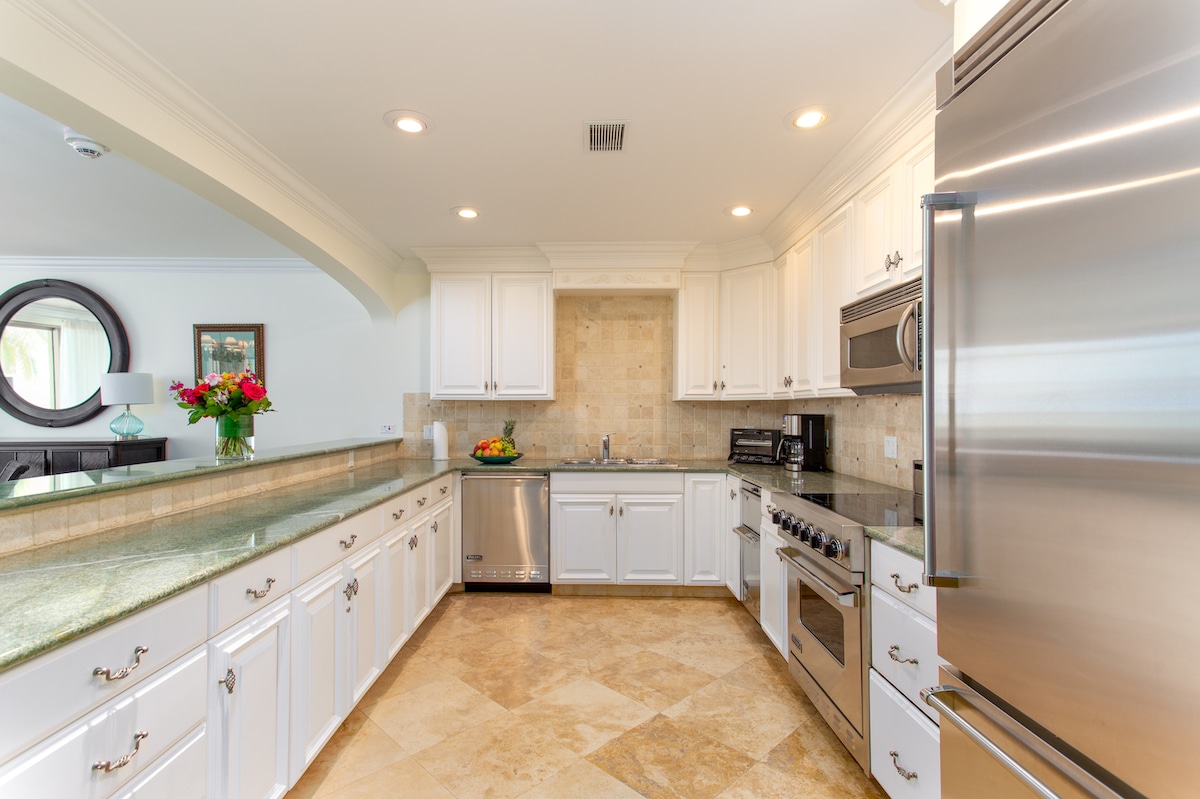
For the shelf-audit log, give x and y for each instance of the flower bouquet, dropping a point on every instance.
(232, 400)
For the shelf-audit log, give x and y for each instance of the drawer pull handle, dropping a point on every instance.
(347, 544)
(908, 775)
(435, 525)
(121, 674)
(229, 680)
(123, 760)
(445, 489)
(396, 514)
(904, 589)
(262, 593)
(893, 649)
(421, 501)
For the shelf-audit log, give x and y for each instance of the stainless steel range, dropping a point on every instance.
(828, 629)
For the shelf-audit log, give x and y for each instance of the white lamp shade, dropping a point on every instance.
(126, 388)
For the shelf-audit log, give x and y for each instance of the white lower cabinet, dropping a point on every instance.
(904, 745)
(318, 666)
(179, 774)
(704, 523)
(732, 542)
(397, 625)
(441, 542)
(96, 755)
(583, 538)
(650, 538)
(773, 586)
(363, 595)
(417, 581)
(248, 706)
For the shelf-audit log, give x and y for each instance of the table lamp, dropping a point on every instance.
(126, 388)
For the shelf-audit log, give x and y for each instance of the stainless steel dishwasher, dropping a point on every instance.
(506, 531)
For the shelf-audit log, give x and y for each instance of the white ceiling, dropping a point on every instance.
(705, 85)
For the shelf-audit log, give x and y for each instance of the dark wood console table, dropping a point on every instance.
(58, 457)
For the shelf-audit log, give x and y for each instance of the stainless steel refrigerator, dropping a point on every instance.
(1062, 391)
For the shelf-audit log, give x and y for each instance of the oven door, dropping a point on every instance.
(751, 545)
(879, 352)
(825, 632)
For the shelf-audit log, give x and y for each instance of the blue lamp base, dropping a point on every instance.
(126, 426)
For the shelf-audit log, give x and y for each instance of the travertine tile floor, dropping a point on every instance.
(556, 697)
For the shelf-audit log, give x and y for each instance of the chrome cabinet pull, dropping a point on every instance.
(350, 590)
(610, 510)
(121, 674)
(347, 544)
(893, 649)
(123, 760)
(891, 262)
(262, 593)
(396, 514)
(714, 385)
(421, 501)
(904, 589)
(435, 525)
(722, 385)
(229, 680)
(732, 494)
(416, 542)
(621, 512)
(908, 775)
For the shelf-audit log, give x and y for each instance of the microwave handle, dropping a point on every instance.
(901, 328)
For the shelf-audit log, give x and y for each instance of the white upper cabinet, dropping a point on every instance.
(834, 249)
(746, 308)
(791, 358)
(888, 223)
(492, 336)
(696, 337)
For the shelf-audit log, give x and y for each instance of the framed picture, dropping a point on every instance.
(230, 348)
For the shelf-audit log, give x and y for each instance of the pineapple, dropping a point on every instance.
(507, 439)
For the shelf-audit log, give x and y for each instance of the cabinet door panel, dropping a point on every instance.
(696, 339)
(441, 539)
(833, 260)
(745, 320)
(897, 726)
(918, 168)
(522, 336)
(875, 210)
(318, 666)
(649, 539)
(365, 646)
(179, 774)
(703, 519)
(460, 311)
(416, 573)
(395, 554)
(583, 546)
(773, 587)
(248, 725)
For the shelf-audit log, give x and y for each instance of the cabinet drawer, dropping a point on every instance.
(900, 575)
(321, 550)
(164, 707)
(617, 482)
(441, 488)
(897, 726)
(255, 585)
(44, 694)
(179, 774)
(420, 499)
(914, 637)
(395, 512)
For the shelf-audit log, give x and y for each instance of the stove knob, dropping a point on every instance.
(777, 517)
(835, 549)
(817, 539)
(804, 532)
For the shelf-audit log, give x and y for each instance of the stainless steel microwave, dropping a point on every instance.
(880, 342)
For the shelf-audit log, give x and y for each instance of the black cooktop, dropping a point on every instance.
(896, 508)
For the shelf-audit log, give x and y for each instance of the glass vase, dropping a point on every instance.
(235, 438)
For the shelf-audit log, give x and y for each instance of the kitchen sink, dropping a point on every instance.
(615, 462)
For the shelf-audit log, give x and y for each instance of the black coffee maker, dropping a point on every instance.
(802, 447)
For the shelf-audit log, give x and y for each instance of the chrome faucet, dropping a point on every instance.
(604, 449)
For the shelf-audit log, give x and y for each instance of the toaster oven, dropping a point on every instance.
(753, 445)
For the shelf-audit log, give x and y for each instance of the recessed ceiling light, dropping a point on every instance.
(465, 212)
(407, 121)
(739, 210)
(806, 118)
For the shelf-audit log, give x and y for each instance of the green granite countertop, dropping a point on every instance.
(54, 594)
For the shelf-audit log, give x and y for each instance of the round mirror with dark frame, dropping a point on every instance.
(56, 339)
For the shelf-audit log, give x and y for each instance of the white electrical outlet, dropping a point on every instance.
(387, 429)
(428, 431)
(889, 447)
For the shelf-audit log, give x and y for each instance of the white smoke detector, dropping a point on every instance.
(88, 148)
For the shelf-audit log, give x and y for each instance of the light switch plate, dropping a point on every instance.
(428, 431)
(889, 447)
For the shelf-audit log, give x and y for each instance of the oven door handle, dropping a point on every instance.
(747, 534)
(847, 599)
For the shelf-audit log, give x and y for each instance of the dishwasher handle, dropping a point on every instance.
(504, 476)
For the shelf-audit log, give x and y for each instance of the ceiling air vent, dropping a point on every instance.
(604, 137)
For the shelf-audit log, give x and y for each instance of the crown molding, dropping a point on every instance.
(483, 259)
(272, 266)
(616, 255)
(705, 258)
(744, 252)
(900, 125)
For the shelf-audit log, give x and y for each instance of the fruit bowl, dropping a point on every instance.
(497, 458)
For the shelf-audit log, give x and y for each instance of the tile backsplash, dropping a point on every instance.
(613, 362)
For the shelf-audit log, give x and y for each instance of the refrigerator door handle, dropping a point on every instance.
(941, 201)
(1080, 778)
